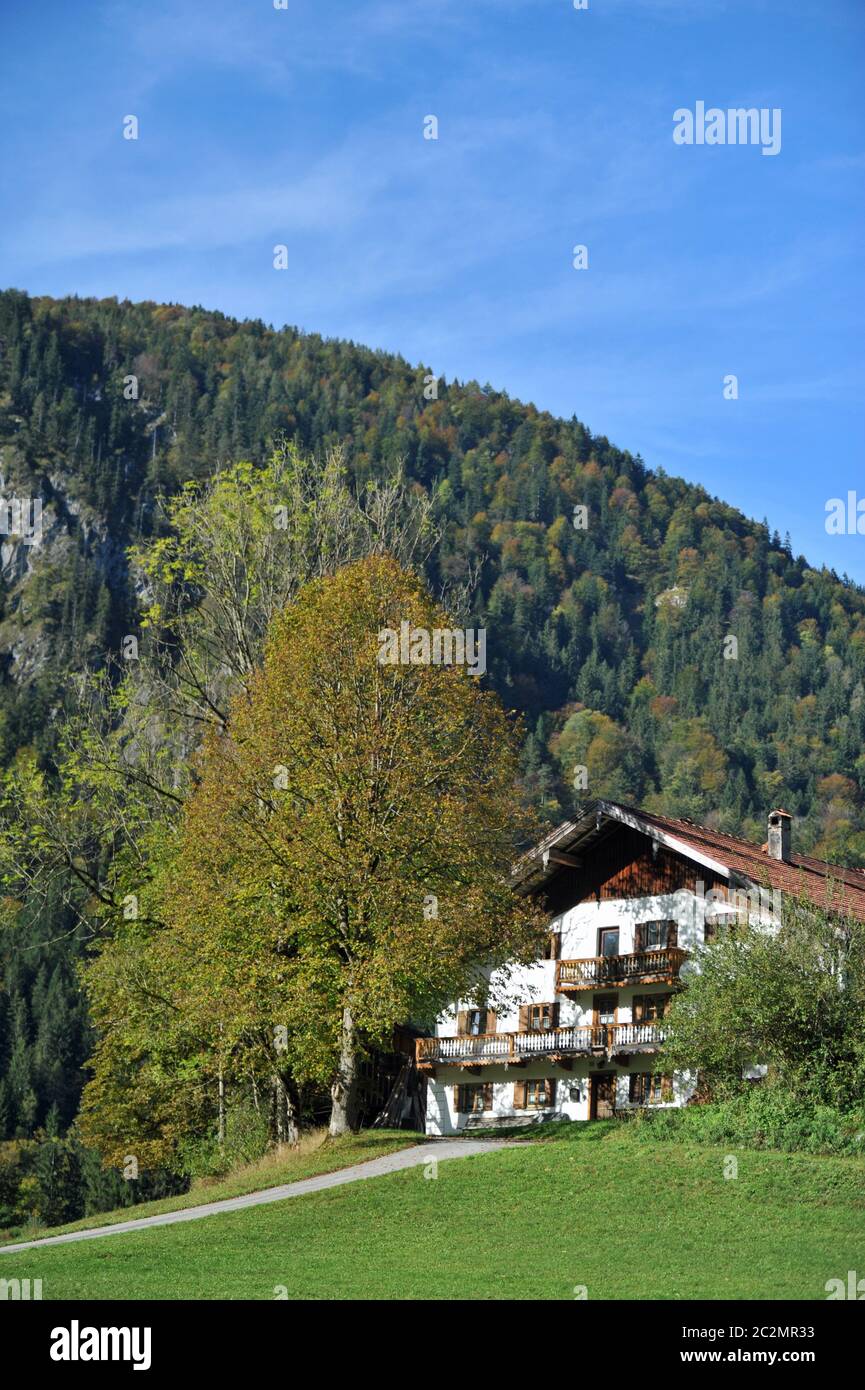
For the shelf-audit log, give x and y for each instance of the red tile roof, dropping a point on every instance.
(827, 885)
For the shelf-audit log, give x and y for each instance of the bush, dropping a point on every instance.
(246, 1139)
(764, 1117)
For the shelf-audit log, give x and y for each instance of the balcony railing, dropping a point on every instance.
(626, 1036)
(640, 967)
(514, 1048)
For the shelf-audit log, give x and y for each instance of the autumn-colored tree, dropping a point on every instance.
(345, 856)
(238, 548)
(597, 757)
(97, 836)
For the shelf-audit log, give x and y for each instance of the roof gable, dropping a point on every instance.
(721, 856)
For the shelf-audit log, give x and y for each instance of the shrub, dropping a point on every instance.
(246, 1139)
(764, 1117)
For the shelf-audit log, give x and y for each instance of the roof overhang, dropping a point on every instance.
(569, 841)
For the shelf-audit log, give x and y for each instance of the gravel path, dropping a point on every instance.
(374, 1168)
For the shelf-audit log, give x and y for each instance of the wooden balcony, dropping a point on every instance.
(612, 972)
(557, 1044)
(635, 1037)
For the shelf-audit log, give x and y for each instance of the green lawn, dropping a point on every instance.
(628, 1220)
(316, 1154)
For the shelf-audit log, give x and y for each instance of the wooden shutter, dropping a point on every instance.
(639, 1008)
(639, 938)
(554, 1015)
(488, 1095)
(491, 1022)
(519, 1095)
(525, 1017)
(462, 1022)
(635, 1088)
(551, 1091)
(672, 933)
(457, 1100)
(554, 945)
(666, 1088)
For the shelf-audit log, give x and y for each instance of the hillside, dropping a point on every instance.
(621, 625)
(611, 639)
(484, 1227)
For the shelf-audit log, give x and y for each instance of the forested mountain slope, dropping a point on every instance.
(610, 638)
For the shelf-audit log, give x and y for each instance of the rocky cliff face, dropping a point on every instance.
(63, 581)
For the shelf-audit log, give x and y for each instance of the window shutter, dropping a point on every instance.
(488, 1095)
(554, 1015)
(666, 1088)
(635, 1081)
(639, 938)
(551, 1091)
(639, 1008)
(491, 1022)
(462, 1022)
(457, 1100)
(672, 933)
(555, 945)
(519, 1095)
(525, 1017)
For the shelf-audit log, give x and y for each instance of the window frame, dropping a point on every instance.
(484, 1089)
(541, 1011)
(655, 1088)
(670, 927)
(547, 1083)
(657, 999)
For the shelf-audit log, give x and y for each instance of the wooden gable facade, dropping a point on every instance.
(626, 864)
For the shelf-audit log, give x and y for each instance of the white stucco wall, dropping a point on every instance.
(578, 927)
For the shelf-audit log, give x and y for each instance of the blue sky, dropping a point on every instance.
(304, 126)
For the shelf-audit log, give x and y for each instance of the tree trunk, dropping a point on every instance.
(287, 1127)
(221, 1091)
(344, 1088)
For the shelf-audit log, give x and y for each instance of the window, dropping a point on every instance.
(650, 1088)
(656, 936)
(473, 1100)
(541, 1017)
(608, 941)
(475, 1022)
(534, 1095)
(538, 1018)
(649, 1007)
(605, 1009)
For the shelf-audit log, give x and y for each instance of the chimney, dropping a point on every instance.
(780, 823)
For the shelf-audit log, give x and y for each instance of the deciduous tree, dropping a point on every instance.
(345, 855)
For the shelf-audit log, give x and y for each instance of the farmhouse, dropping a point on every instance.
(632, 896)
